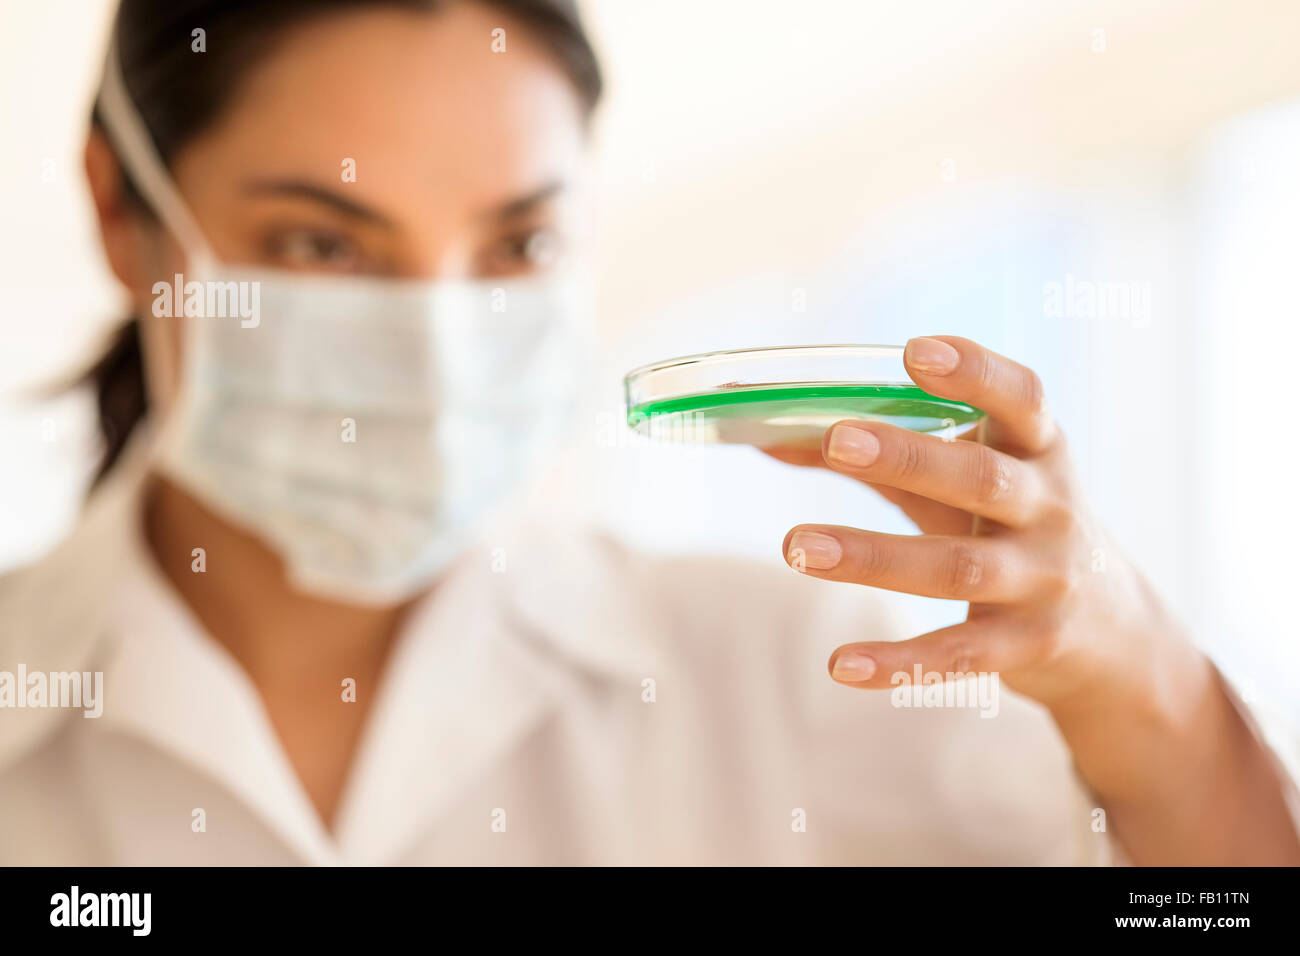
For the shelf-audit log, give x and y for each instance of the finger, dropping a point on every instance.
(990, 645)
(955, 368)
(965, 475)
(928, 515)
(957, 568)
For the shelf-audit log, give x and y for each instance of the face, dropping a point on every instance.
(467, 162)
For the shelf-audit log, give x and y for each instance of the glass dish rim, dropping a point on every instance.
(844, 348)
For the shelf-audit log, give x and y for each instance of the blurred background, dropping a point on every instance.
(1104, 190)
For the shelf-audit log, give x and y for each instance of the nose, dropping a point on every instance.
(442, 259)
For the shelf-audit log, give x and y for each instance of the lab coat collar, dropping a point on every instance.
(178, 689)
(529, 618)
(457, 694)
(581, 596)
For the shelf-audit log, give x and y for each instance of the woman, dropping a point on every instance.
(343, 227)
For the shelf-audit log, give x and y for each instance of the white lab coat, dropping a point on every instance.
(559, 700)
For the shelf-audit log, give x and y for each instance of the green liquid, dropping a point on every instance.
(767, 416)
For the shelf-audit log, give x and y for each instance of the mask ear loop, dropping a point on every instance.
(139, 157)
(135, 148)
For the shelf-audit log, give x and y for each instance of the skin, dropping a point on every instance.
(1150, 725)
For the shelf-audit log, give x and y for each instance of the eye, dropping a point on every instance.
(531, 250)
(315, 249)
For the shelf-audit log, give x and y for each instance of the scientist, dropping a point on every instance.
(281, 575)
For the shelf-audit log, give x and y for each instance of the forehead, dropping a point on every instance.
(433, 117)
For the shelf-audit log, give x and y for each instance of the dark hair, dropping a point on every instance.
(178, 94)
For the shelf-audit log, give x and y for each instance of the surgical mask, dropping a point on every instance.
(362, 427)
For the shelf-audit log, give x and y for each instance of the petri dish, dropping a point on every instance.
(784, 395)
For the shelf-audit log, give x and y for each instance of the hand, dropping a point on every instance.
(1054, 608)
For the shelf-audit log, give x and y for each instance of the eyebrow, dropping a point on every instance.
(303, 189)
(524, 204)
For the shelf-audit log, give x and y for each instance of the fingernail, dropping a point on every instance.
(808, 549)
(856, 447)
(852, 667)
(931, 356)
